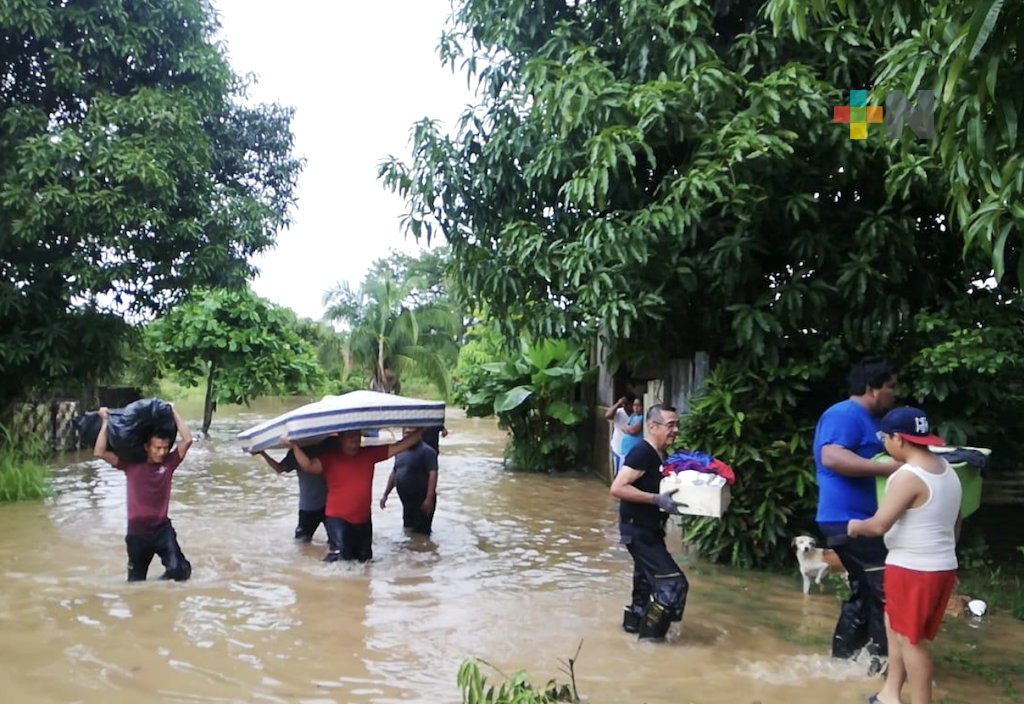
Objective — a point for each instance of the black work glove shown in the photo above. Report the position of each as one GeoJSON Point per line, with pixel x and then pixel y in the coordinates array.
{"type": "Point", "coordinates": [667, 504]}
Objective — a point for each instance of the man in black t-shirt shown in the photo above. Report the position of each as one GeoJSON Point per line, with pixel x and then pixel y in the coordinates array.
{"type": "Point", "coordinates": [415, 475]}
{"type": "Point", "coordinates": [659, 586]}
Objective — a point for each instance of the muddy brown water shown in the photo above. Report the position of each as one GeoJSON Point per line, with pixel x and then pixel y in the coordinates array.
{"type": "Point", "coordinates": [519, 570]}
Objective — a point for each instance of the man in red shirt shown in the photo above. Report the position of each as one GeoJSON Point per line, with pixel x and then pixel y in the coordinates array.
{"type": "Point", "coordinates": [149, 492]}
{"type": "Point", "coordinates": [349, 474]}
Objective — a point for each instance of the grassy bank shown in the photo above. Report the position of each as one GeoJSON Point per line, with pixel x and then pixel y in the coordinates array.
{"type": "Point", "coordinates": [23, 474]}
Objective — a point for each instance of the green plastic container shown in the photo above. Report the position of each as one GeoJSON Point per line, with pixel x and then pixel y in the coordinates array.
{"type": "Point", "coordinates": [970, 482]}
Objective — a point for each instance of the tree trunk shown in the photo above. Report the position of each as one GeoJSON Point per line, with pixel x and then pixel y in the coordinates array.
{"type": "Point", "coordinates": [208, 405]}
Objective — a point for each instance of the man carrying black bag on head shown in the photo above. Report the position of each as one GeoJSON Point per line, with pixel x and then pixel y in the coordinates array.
{"type": "Point", "coordinates": [150, 532]}
{"type": "Point", "coordinates": [659, 585]}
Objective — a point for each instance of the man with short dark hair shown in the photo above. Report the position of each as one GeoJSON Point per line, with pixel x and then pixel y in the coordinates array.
{"type": "Point", "coordinates": [659, 586]}
{"type": "Point", "coordinates": [845, 441]}
{"type": "Point", "coordinates": [149, 494]}
{"type": "Point", "coordinates": [348, 470]}
{"type": "Point", "coordinates": [415, 476]}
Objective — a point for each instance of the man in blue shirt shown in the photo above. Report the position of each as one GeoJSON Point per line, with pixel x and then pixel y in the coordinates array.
{"type": "Point", "coordinates": [845, 441]}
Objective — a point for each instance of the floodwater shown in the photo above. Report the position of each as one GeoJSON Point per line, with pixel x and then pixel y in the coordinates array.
{"type": "Point", "coordinates": [520, 569]}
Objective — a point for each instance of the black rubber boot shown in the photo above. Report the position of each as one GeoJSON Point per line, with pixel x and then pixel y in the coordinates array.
{"type": "Point", "coordinates": [655, 622]}
{"type": "Point", "coordinates": [631, 620]}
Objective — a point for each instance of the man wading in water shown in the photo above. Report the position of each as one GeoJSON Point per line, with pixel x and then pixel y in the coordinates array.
{"type": "Point", "coordinates": [659, 586]}
{"type": "Point", "coordinates": [845, 441]}
{"type": "Point", "coordinates": [149, 492]}
{"type": "Point", "coordinates": [348, 469]}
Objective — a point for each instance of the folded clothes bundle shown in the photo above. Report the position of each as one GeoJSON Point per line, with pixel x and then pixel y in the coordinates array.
{"type": "Point", "coordinates": [692, 461]}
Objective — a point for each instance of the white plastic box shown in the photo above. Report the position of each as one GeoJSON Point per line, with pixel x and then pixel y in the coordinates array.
{"type": "Point", "coordinates": [700, 500]}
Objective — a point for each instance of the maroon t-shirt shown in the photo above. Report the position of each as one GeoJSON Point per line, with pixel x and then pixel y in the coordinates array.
{"type": "Point", "coordinates": [149, 492]}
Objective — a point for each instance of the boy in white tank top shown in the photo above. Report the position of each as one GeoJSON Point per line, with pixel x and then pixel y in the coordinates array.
{"type": "Point", "coordinates": [920, 518]}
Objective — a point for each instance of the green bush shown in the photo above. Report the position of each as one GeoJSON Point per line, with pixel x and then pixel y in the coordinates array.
{"type": "Point", "coordinates": [967, 366]}
{"type": "Point", "coordinates": [23, 475]}
{"type": "Point", "coordinates": [745, 419]}
{"type": "Point", "coordinates": [535, 395]}
{"type": "Point", "coordinates": [514, 690]}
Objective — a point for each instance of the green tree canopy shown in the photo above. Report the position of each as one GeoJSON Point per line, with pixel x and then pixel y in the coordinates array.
{"type": "Point", "coordinates": [969, 54]}
{"type": "Point", "coordinates": [670, 173]}
{"type": "Point", "coordinates": [130, 172]}
{"type": "Point", "coordinates": [241, 345]}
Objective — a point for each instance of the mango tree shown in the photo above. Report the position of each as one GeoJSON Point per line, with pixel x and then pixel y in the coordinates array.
{"type": "Point", "coordinates": [670, 175]}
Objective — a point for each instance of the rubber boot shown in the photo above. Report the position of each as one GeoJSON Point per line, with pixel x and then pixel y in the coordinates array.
{"type": "Point", "coordinates": [655, 622]}
{"type": "Point", "coordinates": [631, 620]}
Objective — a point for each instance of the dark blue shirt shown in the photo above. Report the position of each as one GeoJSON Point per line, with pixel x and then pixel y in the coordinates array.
{"type": "Point", "coordinates": [841, 498]}
{"type": "Point", "coordinates": [414, 467]}
{"type": "Point", "coordinates": [312, 487]}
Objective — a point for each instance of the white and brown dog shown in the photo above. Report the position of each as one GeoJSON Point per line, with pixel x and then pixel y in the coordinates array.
{"type": "Point", "coordinates": [815, 562]}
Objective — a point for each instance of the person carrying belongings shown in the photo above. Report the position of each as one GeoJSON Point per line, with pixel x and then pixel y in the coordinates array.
{"type": "Point", "coordinates": [149, 489]}
{"type": "Point", "coordinates": [659, 585]}
{"type": "Point", "coordinates": [348, 470]}
{"type": "Point", "coordinates": [312, 488]}
{"type": "Point", "coordinates": [920, 519]}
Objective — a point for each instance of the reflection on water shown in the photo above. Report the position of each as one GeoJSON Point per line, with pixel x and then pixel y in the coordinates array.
{"type": "Point", "coordinates": [520, 569]}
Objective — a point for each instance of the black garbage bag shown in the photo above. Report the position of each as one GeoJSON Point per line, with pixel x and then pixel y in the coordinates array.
{"type": "Point", "coordinates": [128, 428]}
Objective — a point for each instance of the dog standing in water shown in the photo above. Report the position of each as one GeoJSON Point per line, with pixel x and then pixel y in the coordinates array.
{"type": "Point", "coordinates": [815, 562]}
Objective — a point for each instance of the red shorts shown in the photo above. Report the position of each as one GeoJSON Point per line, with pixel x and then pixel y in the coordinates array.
{"type": "Point", "coordinates": [915, 602]}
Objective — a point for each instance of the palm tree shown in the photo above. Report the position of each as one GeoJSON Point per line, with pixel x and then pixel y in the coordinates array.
{"type": "Point", "coordinates": [387, 337]}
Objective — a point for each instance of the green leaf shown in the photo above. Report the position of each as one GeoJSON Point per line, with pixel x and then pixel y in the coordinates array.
{"type": "Point", "coordinates": [952, 77]}
{"type": "Point", "coordinates": [564, 412]}
{"type": "Point", "coordinates": [512, 399]}
{"type": "Point", "coordinates": [983, 21]}
{"type": "Point", "coordinates": [998, 251]}
{"type": "Point", "coordinates": [1010, 120]}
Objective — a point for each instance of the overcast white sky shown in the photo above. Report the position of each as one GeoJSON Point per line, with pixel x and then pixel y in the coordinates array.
{"type": "Point", "coordinates": [358, 75]}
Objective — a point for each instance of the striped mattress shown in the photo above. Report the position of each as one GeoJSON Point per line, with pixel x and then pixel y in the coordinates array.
{"type": "Point", "coordinates": [358, 410]}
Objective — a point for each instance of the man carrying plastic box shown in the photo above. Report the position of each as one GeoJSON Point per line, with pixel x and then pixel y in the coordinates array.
{"type": "Point", "coordinates": [659, 585]}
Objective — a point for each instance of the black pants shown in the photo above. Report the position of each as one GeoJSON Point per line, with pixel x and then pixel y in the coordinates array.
{"type": "Point", "coordinates": [162, 542]}
{"type": "Point", "coordinates": [862, 616]}
{"type": "Point", "coordinates": [348, 541]}
{"type": "Point", "coordinates": [656, 576]}
{"type": "Point", "coordinates": [413, 517]}
{"type": "Point", "coordinates": [309, 521]}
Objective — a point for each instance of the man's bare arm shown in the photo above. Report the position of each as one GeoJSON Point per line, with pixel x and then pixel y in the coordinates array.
{"type": "Point", "coordinates": [405, 443]}
{"type": "Point", "coordinates": [622, 488]}
{"type": "Point", "coordinates": [312, 466]}
{"type": "Point", "coordinates": [392, 480]}
{"type": "Point", "coordinates": [901, 494]}
{"type": "Point", "coordinates": [274, 464]}
{"type": "Point", "coordinates": [100, 448]}
{"type": "Point", "coordinates": [186, 435]}
{"type": "Point", "coordinates": [610, 413]}
{"type": "Point", "coordinates": [843, 461]}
